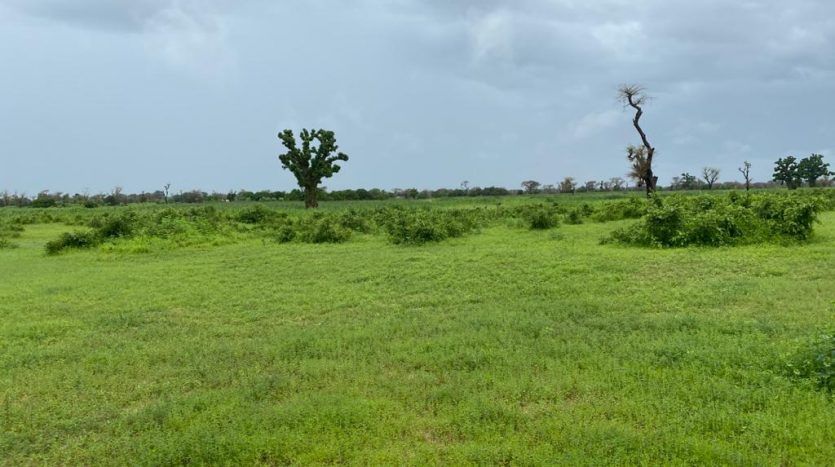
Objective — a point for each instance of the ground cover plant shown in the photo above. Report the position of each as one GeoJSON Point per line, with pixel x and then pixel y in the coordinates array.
{"type": "Point", "coordinates": [222, 343]}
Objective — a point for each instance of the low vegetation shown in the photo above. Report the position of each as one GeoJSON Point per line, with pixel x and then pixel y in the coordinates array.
{"type": "Point", "coordinates": [415, 333]}
{"type": "Point", "coordinates": [678, 221]}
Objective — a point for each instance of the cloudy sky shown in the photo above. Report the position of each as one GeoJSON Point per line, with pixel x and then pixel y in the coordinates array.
{"type": "Point", "coordinates": [423, 93]}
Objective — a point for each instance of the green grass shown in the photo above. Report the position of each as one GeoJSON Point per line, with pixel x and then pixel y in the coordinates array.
{"type": "Point", "coordinates": [508, 346]}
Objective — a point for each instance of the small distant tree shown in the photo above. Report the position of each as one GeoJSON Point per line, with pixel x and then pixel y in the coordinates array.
{"type": "Point", "coordinates": [745, 170]}
{"type": "Point", "coordinates": [617, 183]}
{"type": "Point", "coordinates": [568, 185]}
{"type": "Point", "coordinates": [812, 168]}
{"type": "Point", "coordinates": [465, 185]}
{"type": "Point", "coordinates": [641, 157]}
{"type": "Point", "coordinates": [531, 186]}
{"type": "Point", "coordinates": [591, 185]}
{"type": "Point", "coordinates": [549, 189]}
{"type": "Point", "coordinates": [688, 181]}
{"type": "Point", "coordinates": [786, 171]}
{"type": "Point", "coordinates": [165, 191]}
{"type": "Point", "coordinates": [311, 163]}
{"type": "Point", "coordinates": [710, 175]}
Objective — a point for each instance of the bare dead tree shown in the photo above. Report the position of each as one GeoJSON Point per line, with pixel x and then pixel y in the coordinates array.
{"type": "Point", "coordinates": [634, 96]}
{"type": "Point", "coordinates": [710, 175]}
{"type": "Point", "coordinates": [745, 170]}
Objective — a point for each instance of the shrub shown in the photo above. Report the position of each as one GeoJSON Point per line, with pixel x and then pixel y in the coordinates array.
{"type": "Point", "coordinates": [816, 362]}
{"type": "Point", "coordinates": [632, 208]}
{"type": "Point", "coordinates": [6, 244]}
{"type": "Point", "coordinates": [115, 227]}
{"type": "Point", "coordinates": [354, 220]}
{"type": "Point", "coordinates": [574, 217]}
{"type": "Point", "coordinates": [68, 240]}
{"type": "Point", "coordinates": [255, 215]}
{"type": "Point", "coordinates": [424, 226]}
{"type": "Point", "coordinates": [541, 219]}
{"type": "Point", "coordinates": [285, 234]}
{"type": "Point", "coordinates": [715, 221]}
{"type": "Point", "coordinates": [325, 230]}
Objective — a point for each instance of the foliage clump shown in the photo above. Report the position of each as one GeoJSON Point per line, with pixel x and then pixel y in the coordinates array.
{"type": "Point", "coordinates": [9, 230]}
{"type": "Point", "coordinates": [679, 221]}
{"type": "Point", "coordinates": [542, 219]}
{"type": "Point", "coordinates": [73, 240]}
{"type": "Point", "coordinates": [631, 208]}
{"type": "Point", "coordinates": [816, 362]}
{"type": "Point", "coordinates": [423, 226]}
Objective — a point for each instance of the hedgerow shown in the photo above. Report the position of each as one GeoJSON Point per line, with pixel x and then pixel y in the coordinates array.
{"type": "Point", "coordinates": [678, 221]}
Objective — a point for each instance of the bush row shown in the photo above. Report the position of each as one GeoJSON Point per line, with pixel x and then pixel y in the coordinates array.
{"type": "Point", "coordinates": [678, 221]}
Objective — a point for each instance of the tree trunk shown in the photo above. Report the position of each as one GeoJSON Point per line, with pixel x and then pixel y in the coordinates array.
{"type": "Point", "coordinates": [310, 197]}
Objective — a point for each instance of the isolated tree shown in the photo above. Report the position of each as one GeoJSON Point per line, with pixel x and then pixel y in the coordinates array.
{"type": "Point", "coordinates": [311, 163]}
{"type": "Point", "coordinates": [617, 183]}
{"type": "Point", "coordinates": [641, 157]}
{"type": "Point", "coordinates": [165, 191]}
{"type": "Point", "coordinates": [531, 186]}
{"type": "Point", "coordinates": [710, 175]}
{"type": "Point", "coordinates": [591, 185]}
{"type": "Point", "coordinates": [688, 181]}
{"type": "Point", "coordinates": [676, 183]}
{"type": "Point", "coordinates": [745, 170]}
{"type": "Point", "coordinates": [568, 185]}
{"type": "Point", "coordinates": [549, 189]}
{"type": "Point", "coordinates": [465, 185]}
{"type": "Point", "coordinates": [786, 171]}
{"type": "Point", "coordinates": [812, 168]}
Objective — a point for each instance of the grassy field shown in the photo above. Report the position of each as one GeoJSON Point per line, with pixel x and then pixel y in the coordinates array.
{"type": "Point", "coordinates": [509, 346]}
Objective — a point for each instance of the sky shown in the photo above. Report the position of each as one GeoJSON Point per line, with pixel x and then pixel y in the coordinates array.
{"type": "Point", "coordinates": [420, 93]}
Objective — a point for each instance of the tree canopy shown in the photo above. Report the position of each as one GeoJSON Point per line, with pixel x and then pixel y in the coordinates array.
{"type": "Point", "coordinates": [311, 163]}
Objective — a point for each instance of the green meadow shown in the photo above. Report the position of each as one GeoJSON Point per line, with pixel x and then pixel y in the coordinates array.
{"type": "Point", "coordinates": [502, 345]}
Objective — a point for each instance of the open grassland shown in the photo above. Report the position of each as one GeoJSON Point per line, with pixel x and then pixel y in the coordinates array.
{"type": "Point", "coordinates": [511, 346]}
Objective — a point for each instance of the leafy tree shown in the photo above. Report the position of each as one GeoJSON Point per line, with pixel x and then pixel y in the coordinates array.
{"type": "Point", "coordinates": [531, 186]}
{"type": "Point", "coordinates": [310, 164]}
{"type": "Point", "coordinates": [787, 171]}
{"type": "Point", "coordinates": [688, 181]}
{"type": "Point", "coordinates": [745, 170]}
{"type": "Point", "coordinates": [617, 183]}
{"type": "Point", "coordinates": [710, 175]}
{"type": "Point", "coordinates": [568, 185]}
{"type": "Point", "coordinates": [641, 157]}
{"type": "Point", "coordinates": [812, 168]}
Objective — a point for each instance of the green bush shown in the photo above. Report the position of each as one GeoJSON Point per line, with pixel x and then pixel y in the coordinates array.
{"type": "Point", "coordinates": [122, 225]}
{"type": "Point", "coordinates": [325, 230]}
{"type": "Point", "coordinates": [679, 221]}
{"type": "Point", "coordinates": [424, 226]}
{"type": "Point", "coordinates": [632, 208]}
{"type": "Point", "coordinates": [574, 217]}
{"type": "Point", "coordinates": [542, 219]}
{"type": "Point", "coordinates": [816, 362]}
{"type": "Point", "coordinates": [256, 215]}
{"type": "Point", "coordinates": [77, 240]}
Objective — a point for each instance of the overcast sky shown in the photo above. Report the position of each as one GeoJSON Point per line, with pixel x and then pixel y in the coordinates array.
{"type": "Point", "coordinates": [423, 93]}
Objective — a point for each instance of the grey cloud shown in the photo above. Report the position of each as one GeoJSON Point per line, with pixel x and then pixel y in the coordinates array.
{"type": "Point", "coordinates": [420, 92]}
